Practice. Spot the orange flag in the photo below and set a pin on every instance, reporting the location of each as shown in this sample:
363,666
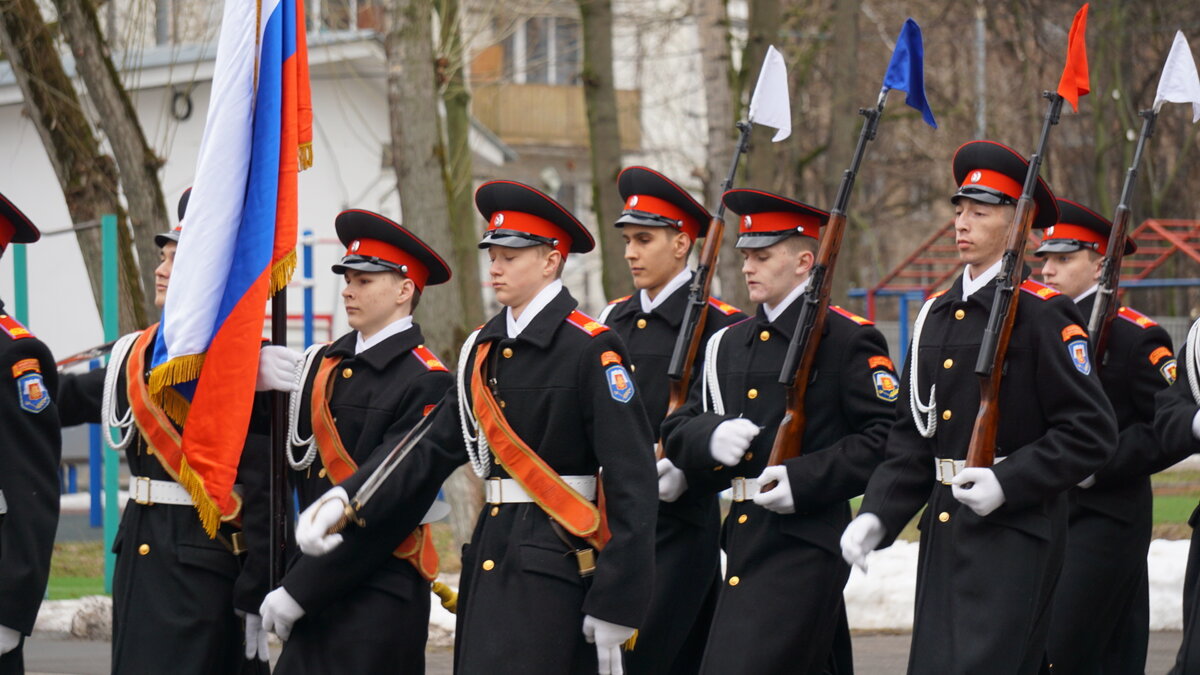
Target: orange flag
1074,82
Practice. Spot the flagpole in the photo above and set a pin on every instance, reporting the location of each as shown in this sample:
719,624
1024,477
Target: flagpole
278,490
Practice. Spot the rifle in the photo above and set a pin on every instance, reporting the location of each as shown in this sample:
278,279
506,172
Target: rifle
802,350
992,351
1105,308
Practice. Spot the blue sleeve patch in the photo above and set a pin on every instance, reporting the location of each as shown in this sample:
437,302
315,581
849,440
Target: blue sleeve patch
620,385
1168,371
886,387
1078,350
31,393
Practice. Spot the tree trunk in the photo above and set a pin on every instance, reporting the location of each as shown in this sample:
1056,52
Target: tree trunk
761,163
843,137
600,99
88,178
137,163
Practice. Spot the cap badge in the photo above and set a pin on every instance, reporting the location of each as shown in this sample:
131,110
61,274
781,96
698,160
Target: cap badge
354,245
632,202
746,220
1050,231
975,176
498,220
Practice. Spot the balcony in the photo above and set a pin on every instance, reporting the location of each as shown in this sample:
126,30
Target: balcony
550,115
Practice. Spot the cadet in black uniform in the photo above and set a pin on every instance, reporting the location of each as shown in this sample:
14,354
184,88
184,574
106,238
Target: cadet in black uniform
660,223
780,608
30,450
364,608
544,399
179,597
1109,522
992,539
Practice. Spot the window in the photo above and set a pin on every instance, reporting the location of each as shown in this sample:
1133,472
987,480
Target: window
543,50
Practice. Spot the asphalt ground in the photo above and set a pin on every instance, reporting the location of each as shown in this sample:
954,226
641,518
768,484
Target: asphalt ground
874,654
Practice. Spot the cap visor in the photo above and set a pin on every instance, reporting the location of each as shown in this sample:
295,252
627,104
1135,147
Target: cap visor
507,240
1058,246
632,219
165,238
361,266
761,240
980,195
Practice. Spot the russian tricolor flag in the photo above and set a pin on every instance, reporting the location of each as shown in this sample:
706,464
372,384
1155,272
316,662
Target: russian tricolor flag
237,246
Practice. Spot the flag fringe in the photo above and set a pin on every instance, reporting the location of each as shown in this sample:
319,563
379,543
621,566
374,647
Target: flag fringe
176,371
174,405
306,155
631,642
282,271
210,514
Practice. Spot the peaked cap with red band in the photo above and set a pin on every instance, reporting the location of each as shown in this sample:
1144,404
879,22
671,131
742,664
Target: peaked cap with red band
520,216
15,227
992,173
1078,227
377,244
164,238
767,219
653,200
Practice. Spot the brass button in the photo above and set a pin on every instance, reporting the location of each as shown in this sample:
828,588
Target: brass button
948,364
641,323
946,415
322,473
347,372
743,518
944,517
503,404
507,352
748,456
495,510
765,335
633,367
718,467
488,565
959,314
734,581
143,549
753,393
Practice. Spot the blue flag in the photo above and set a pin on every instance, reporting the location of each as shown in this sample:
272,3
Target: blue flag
906,72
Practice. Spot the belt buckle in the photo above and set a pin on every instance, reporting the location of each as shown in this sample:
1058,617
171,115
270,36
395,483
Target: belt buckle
494,491
947,468
739,489
145,501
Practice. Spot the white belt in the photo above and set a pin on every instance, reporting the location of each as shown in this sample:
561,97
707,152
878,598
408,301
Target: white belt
944,470
745,489
147,491
509,491
3,504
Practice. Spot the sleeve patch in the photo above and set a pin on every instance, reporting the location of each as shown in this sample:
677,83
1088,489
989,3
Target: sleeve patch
1159,354
886,387
31,393
586,323
1137,318
13,328
862,321
1168,371
722,307
610,357
25,365
880,362
1040,290
1073,330
428,358
1078,351
620,385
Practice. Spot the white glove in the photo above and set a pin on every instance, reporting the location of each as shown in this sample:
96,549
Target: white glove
861,537
984,496
312,529
731,439
256,638
779,498
9,639
1088,482
280,612
278,369
608,638
671,481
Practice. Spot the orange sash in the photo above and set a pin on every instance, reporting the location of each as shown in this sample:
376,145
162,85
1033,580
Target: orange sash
156,428
570,509
418,548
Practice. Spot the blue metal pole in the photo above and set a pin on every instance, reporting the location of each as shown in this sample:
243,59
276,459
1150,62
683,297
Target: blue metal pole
95,470
20,283
307,242
902,315
112,462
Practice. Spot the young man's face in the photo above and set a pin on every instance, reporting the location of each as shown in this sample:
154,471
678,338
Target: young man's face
517,274
375,299
772,272
655,255
980,231
162,273
1071,273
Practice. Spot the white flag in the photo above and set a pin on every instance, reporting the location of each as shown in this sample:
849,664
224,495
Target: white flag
769,106
1179,82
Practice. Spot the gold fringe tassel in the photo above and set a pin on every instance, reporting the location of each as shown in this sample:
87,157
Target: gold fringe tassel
174,405
210,514
177,370
631,642
306,156
281,273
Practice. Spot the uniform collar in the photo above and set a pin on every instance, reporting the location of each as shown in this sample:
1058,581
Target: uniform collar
1087,294
514,327
398,326
983,296
680,280
541,328
773,313
972,286
784,323
670,309
382,354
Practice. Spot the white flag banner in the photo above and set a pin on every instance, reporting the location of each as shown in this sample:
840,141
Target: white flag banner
1179,82
769,106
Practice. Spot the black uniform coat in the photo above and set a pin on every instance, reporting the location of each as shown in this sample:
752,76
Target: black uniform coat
521,599
1109,524
175,591
30,451
686,553
984,585
780,609
366,611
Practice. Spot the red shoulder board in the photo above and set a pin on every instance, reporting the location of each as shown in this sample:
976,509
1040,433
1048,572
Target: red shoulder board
613,302
937,294
586,323
722,307
1040,290
860,320
13,328
1136,317
426,356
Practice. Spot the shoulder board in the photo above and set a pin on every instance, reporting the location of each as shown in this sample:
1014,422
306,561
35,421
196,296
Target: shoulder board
860,320
586,323
426,356
1136,317
722,307
622,299
1040,290
13,328
937,294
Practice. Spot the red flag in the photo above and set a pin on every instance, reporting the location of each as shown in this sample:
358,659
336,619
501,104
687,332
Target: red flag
1074,82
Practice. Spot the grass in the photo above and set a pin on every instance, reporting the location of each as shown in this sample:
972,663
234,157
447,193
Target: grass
76,570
